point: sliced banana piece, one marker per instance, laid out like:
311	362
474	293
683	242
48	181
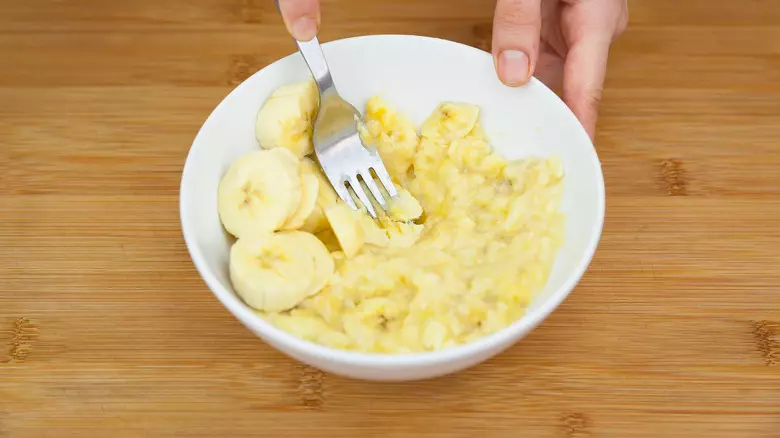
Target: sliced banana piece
373	233
286	118
345	223
310	187
316	222
324	265
259	192
276	271
404	207
326	196
328	237
450	121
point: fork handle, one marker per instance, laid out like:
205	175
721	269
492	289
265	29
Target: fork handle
315	60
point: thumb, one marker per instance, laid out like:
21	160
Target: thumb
516	27
301	17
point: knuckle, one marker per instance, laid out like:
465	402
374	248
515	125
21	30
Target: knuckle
593	101
517	13
298	8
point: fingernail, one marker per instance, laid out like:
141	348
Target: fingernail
513	67
304	29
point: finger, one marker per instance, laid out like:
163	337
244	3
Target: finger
301	17
583	78
516	25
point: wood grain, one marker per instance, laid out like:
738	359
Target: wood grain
107	330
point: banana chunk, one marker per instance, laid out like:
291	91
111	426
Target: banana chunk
346	225
404	207
354	229
373	233
450	121
324	265
275	272
326	196
387	233
259	192
310	187
286	118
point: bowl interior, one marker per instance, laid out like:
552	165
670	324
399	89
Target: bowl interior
414	74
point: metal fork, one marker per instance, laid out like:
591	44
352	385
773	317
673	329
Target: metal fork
337	143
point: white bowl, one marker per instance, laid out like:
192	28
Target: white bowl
415	74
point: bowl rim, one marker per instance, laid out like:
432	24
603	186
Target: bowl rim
499	340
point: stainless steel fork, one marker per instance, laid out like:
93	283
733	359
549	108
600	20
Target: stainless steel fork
341	152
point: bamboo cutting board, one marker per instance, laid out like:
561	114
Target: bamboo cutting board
107	330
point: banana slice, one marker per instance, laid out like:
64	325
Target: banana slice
328	237
275	272
286	118
345	223
324	265
326	196
404	207
316	222
259	192
450	121
373	233
393	135
310	187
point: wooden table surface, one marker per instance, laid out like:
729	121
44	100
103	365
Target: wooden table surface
106	328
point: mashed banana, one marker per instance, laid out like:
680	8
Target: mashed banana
465	265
